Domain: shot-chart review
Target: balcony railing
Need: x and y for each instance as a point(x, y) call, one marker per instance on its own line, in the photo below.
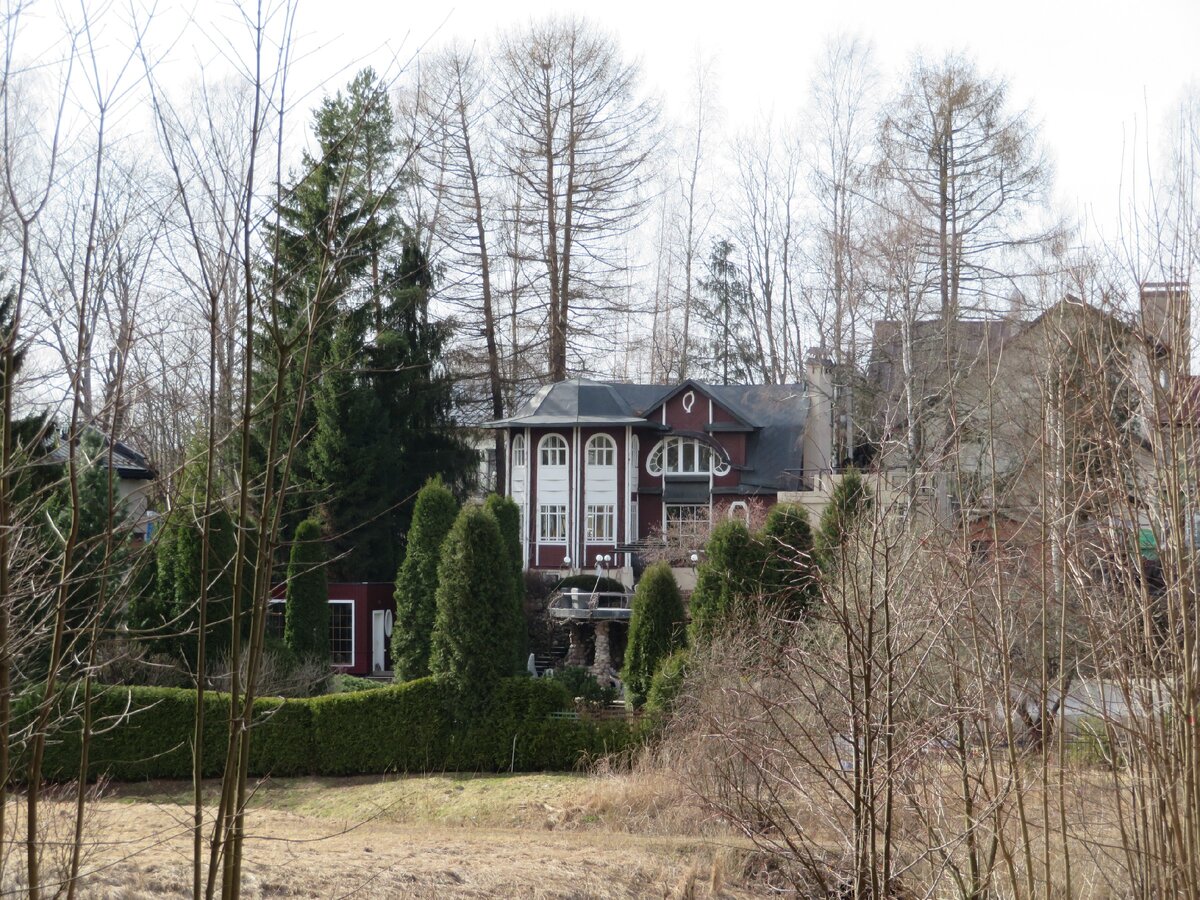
point(590, 605)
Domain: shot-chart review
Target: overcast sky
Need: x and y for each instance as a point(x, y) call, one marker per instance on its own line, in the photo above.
point(1094, 74)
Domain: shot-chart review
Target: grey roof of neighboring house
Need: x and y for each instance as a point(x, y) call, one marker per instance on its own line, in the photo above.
point(773, 415)
point(128, 462)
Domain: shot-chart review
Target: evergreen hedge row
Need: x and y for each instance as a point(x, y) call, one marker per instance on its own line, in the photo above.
point(146, 732)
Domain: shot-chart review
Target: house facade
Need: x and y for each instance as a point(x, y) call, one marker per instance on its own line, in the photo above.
point(600, 470)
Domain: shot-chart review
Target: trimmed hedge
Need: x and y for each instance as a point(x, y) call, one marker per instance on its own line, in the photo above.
point(145, 732)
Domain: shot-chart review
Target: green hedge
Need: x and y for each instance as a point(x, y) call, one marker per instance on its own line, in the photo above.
point(144, 732)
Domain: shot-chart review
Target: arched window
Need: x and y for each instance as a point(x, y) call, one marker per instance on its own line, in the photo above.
point(685, 456)
point(553, 451)
point(518, 451)
point(601, 451)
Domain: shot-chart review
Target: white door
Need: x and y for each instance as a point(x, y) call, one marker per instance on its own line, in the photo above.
point(378, 640)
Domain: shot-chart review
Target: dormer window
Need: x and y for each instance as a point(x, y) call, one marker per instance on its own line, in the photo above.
point(685, 456)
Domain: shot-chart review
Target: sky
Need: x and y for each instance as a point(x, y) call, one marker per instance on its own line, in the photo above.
point(1098, 76)
point(1101, 78)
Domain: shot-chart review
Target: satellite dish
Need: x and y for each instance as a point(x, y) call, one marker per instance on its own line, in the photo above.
point(388, 618)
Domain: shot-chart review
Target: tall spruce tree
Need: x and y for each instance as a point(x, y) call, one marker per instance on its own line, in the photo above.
point(306, 617)
point(417, 581)
point(655, 631)
point(336, 223)
point(469, 646)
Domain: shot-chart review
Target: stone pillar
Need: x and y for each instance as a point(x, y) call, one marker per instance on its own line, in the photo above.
point(602, 666)
point(577, 650)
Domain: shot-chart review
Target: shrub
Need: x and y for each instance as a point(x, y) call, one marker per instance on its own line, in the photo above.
point(667, 683)
point(145, 733)
point(398, 728)
point(306, 622)
point(348, 684)
point(417, 580)
point(580, 684)
point(655, 630)
point(471, 646)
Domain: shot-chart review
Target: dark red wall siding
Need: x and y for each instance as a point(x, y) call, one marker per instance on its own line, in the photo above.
point(368, 596)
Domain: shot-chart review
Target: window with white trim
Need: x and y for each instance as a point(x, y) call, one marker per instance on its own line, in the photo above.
point(276, 618)
point(553, 450)
point(687, 525)
point(601, 523)
point(601, 451)
point(518, 452)
point(685, 456)
point(341, 632)
point(552, 523)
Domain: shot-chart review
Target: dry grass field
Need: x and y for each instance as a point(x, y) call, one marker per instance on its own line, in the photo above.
point(540, 836)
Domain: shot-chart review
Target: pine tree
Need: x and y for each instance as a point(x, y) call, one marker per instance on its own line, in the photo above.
point(306, 619)
point(417, 581)
point(789, 578)
point(468, 646)
point(729, 577)
point(655, 631)
point(850, 500)
point(508, 517)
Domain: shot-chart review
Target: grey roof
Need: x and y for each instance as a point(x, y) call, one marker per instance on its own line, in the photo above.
point(774, 416)
point(575, 402)
point(127, 461)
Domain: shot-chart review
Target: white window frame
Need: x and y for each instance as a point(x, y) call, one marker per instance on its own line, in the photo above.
point(688, 454)
point(353, 636)
point(545, 510)
point(272, 606)
point(598, 444)
point(555, 443)
point(518, 451)
point(699, 535)
point(606, 512)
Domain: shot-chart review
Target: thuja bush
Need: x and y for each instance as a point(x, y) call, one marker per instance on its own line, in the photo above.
point(417, 581)
point(655, 631)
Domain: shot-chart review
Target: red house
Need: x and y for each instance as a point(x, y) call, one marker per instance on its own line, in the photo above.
point(599, 469)
point(360, 625)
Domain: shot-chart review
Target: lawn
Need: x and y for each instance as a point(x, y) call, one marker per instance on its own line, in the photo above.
point(539, 835)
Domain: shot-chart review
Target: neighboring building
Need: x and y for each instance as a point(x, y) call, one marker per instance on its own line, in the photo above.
point(601, 469)
point(968, 413)
point(135, 481)
point(360, 625)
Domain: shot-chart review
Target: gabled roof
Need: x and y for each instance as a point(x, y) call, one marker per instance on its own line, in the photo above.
point(772, 416)
point(127, 461)
point(581, 401)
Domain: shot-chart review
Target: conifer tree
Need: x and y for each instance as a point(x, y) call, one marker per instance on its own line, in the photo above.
point(417, 581)
point(789, 573)
point(306, 619)
point(468, 647)
point(508, 517)
point(851, 498)
point(729, 577)
point(655, 631)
